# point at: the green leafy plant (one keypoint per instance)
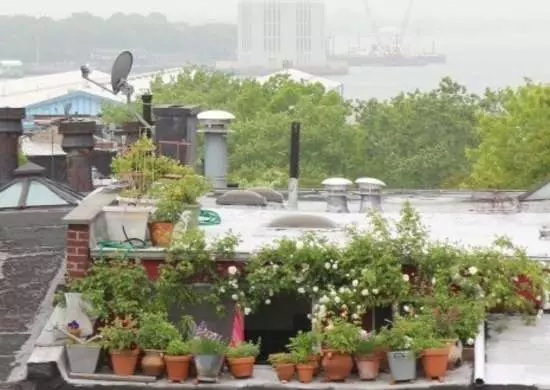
(280, 358)
(300, 356)
(178, 347)
(207, 342)
(367, 345)
(115, 287)
(305, 341)
(119, 335)
(403, 333)
(342, 336)
(155, 331)
(244, 349)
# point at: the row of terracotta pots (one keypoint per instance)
(178, 368)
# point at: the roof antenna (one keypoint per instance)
(119, 82)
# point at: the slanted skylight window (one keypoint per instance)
(9, 197)
(40, 195)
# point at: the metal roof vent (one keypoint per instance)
(370, 191)
(269, 194)
(241, 198)
(215, 126)
(337, 194)
(302, 221)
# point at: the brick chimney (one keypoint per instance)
(176, 124)
(11, 127)
(78, 143)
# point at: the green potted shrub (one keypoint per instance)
(367, 357)
(309, 342)
(284, 365)
(177, 359)
(153, 336)
(208, 350)
(304, 366)
(242, 357)
(177, 199)
(119, 338)
(400, 340)
(339, 342)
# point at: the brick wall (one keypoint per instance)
(78, 250)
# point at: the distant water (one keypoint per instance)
(477, 62)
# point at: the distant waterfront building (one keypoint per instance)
(278, 34)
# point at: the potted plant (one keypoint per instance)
(339, 341)
(284, 365)
(208, 350)
(177, 199)
(119, 338)
(82, 355)
(367, 357)
(153, 336)
(401, 344)
(304, 366)
(309, 342)
(177, 359)
(435, 354)
(242, 358)
(137, 169)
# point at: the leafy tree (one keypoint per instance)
(514, 139)
(418, 139)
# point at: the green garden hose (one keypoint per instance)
(209, 218)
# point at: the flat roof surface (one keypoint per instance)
(451, 219)
(518, 354)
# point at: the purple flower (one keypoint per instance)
(203, 332)
(73, 325)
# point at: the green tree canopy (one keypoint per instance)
(514, 134)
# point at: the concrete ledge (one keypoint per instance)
(91, 206)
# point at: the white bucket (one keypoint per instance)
(129, 219)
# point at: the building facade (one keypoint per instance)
(281, 33)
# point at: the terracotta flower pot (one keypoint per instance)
(242, 367)
(434, 361)
(161, 233)
(368, 366)
(305, 372)
(285, 371)
(152, 363)
(337, 366)
(124, 362)
(177, 367)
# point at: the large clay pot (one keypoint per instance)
(124, 362)
(368, 366)
(434, 361)
(285, 371)
(337, 366)
(242, 367)
(161, 233)
(305, 372)
(152, 363)
(177, 367)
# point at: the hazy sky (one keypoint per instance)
(225, 10)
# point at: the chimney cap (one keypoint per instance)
(370, 182)
(336, 181)
(215, 115)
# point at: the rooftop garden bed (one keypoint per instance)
(440, 293)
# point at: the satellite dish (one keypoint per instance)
(120, 70)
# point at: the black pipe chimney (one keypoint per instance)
(294, 165)
(147, 111)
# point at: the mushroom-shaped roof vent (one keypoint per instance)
(269, 194)
(369, 183)
(215, 115)
(302, 221)
(336, 181)
(241, 198)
